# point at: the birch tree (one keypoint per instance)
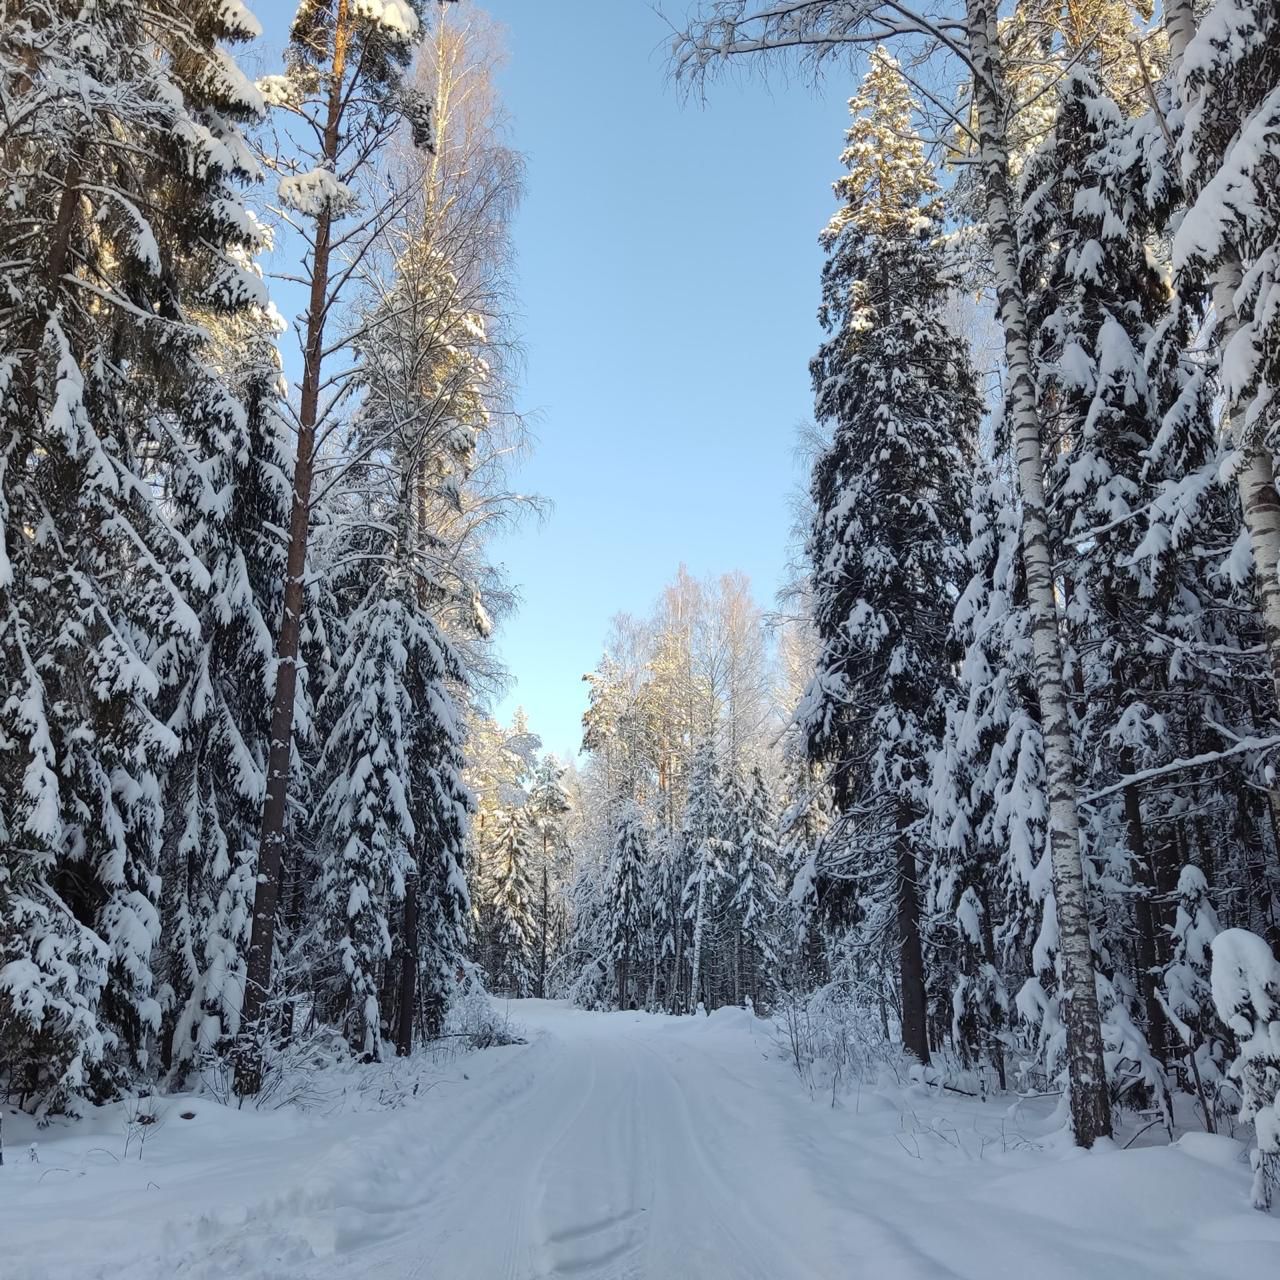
(819, 31)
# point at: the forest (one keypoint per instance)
(986, 794)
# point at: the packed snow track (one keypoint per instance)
(626, 1147)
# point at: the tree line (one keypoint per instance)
(243, 629)
(1026, 779)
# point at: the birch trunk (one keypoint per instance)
(1256, 484)
(1090, 1104)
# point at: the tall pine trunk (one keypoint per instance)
(1090, 1104)
(408, 966)
(1149, 957)
(677, 956)
(695, 976)
(275, 805)
(915, 1032)
(545, 925)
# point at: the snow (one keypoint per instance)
(394, 17)
(615, 1145)
(317, 192)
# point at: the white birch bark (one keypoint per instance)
(1090, 1104)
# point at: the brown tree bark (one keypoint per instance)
(915, 1031)
(622, 981)
(1148, 943)
(545, 924)
(408, 967)
(275, 805)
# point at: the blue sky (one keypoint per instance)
(668, 285)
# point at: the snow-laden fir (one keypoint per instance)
(901, 929)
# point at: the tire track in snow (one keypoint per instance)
(598, 1184)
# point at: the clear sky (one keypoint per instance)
(669, 285)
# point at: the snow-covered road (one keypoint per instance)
(618, 1146)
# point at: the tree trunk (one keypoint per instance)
(1256, 485)
(275, 805)
(622, 981)
(915, 1034)
(1090, 1104)
(408, 967)
(545, 923)
(1148, 945)
(677, 956)
(695, 976)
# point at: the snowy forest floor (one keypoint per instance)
(614, 1146)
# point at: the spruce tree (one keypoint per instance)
(1226, 248)
(1187, 993)
(667, 878)
(1140, 621)
(705, 851)
(123, 228)
(990, 876)
(512, 926)
(1093, 297)
(756, 906)
(626, 896)
(889, 496)
(548, 807)
(1246, 993)
(369, 829)
(230, 509)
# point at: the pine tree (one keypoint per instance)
(343, 81)
(626, 895)
(124, 224)
(889, 494)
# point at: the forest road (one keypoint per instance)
(622, 1146)
(635, 1153)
